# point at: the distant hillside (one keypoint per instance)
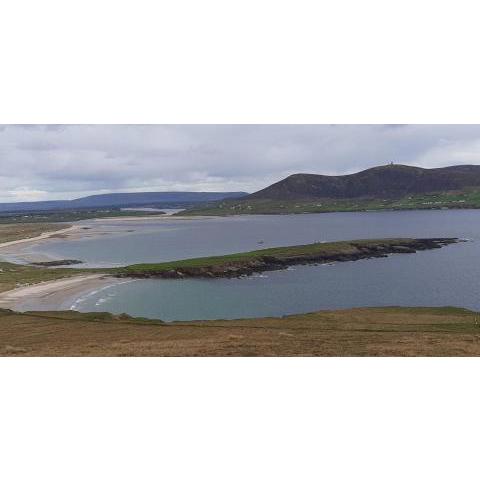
(390, 181)
(388, 187)
(119, 200)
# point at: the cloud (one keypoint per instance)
(68, 161)
(23, 194)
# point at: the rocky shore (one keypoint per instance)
(56, 263)
(232, 266)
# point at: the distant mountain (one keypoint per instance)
(120, 200)
(388, 181)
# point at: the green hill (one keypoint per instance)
(399, 187)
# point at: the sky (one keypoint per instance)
(46, 162)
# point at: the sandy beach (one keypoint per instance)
(50, 295)
(18, 251)
(42, 236)
(23, 251)
(63, 293)
(54, 295)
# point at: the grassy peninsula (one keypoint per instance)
(14, 275)
(391, 331)
(278, 258)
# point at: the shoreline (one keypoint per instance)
(59, 294)
(17, 251)
(38, 238)
(20, 251)
(136, 218)
(66, 293)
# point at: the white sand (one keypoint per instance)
(62, 293)
(22, 251)
(54, 294)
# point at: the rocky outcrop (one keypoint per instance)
(56, 263)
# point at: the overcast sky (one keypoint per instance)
(69, 161)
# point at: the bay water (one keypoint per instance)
(449, 276)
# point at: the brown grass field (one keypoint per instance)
(358, 332)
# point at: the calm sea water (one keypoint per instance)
(450, 276)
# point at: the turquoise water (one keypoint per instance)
(450, 276)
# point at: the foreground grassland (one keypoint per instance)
(11, 232)
(358, 332)
(433, 201)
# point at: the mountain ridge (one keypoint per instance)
(385, 181)
(385, 187)
(119, 200)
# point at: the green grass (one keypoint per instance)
(12, 232)
(468, 198)
(14, 276)
(332, 248)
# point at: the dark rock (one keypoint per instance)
(56, 263)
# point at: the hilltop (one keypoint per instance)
(388, 181)
(398, 187)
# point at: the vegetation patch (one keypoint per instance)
(13, 275)
(467, 198)
(357, 332)
(12, 232)
(72, 215)
(247, 263)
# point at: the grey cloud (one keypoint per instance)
(66, 161)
